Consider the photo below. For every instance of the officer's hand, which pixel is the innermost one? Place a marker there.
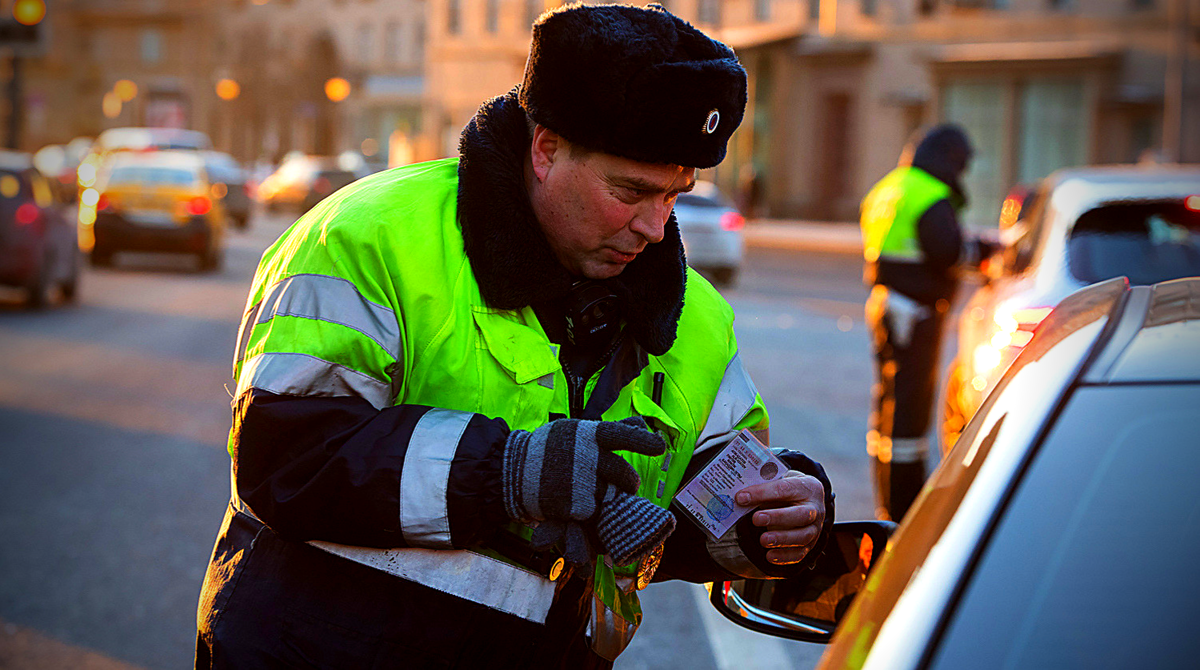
(793, 511)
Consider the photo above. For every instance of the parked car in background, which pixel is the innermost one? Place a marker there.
(136, 139)
(711, 228)
(38, 251)
(229, 186)
(153, 201)
(302, 181)
(1060, 531)
(1078, 227)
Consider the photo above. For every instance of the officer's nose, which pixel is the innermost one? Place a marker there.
(651, 220)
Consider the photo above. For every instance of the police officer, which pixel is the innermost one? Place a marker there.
(912, 242)
(468, 390)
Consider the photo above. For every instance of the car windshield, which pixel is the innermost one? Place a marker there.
(1147, 242)
(140, 174)
(1091, 564)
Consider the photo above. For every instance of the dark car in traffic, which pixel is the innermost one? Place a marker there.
(1060, 531)
(229, 186)
(38, 249)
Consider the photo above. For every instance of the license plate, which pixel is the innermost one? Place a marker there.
(151, 218)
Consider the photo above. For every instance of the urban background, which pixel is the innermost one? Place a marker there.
(836, 86)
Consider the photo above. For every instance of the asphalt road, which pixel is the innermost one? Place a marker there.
(114, 476)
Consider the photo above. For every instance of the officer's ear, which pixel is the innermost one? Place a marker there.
(548, 146)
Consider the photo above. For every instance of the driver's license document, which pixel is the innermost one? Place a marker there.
(709, 498)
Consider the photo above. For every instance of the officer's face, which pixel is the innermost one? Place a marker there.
(599, 211)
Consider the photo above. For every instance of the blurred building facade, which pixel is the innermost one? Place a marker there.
(1038, 84)
(165, 49)
(836, 86)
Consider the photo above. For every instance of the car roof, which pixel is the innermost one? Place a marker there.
(139, 138)
(1077, 190)
(15, 160)
(1155, 338)
(170, 159)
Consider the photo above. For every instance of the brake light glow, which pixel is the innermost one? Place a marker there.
(1014, 330)
(322, 185)
(1192, 203)
(103, 204)
(732, 221)
(28, 214)
(199, 206)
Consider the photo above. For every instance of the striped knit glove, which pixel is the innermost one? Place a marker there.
(560, 472)
(631, 527)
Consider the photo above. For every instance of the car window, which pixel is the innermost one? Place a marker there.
(152, 175)
(694, 200)
(1091, 563)
(1020, 254)
(1148, 242)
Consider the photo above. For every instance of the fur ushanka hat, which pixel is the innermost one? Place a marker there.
(637, 82)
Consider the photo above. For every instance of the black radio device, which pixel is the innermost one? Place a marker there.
(593, 313)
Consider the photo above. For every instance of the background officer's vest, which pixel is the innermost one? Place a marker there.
(891, 210)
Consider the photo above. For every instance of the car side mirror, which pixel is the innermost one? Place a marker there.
(809, 606)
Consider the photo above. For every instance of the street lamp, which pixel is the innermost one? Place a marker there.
(126, 90)
(29, 12)
(228, 89)
(337, 89)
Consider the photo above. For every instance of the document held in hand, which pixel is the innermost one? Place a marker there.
(709, 498)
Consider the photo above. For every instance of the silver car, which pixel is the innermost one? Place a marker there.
(1081, 226)
(1060, 532)
(711, 228)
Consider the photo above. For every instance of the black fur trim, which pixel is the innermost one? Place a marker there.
(637, 82)
(510, 256)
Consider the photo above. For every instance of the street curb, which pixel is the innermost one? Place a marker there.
(831, 237)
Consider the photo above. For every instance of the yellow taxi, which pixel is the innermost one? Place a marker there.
(152, 201)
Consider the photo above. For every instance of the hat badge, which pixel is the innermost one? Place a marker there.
(711, 123)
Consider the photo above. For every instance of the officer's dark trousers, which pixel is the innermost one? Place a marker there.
(273, 603)
(902, 408)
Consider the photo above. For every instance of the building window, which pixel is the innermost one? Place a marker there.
(366, 43)
(1143, 4)
(1061, 5)
(391, 42)
(492, 17)
(453, 16)
(533, 9)
(709, 12)
(926, 7)
(762, 10)
(418, 43)
(152, 47)
(814, 10)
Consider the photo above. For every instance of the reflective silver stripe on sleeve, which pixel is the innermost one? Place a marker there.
(426, 475)
(734, 399)
(324, 298)
(465, 574)
(301, 374)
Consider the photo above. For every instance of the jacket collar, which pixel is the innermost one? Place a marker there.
(512, 261)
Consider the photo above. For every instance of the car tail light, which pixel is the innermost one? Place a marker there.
(28, 214)
(103, 204)
(732, 221)
(322, 185)
(199, 205)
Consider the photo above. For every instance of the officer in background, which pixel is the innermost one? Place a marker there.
(469, 389)
(912, 243)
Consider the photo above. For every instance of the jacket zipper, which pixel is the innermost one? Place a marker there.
(577, 385)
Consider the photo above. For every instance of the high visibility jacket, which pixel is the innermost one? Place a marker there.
(891, 210)
(372, 295)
